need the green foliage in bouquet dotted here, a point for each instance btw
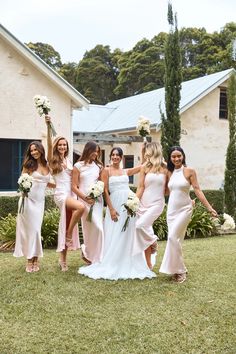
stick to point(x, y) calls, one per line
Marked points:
point(50, 227)
point(7, 232)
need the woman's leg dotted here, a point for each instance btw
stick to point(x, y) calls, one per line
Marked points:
point(77, 211)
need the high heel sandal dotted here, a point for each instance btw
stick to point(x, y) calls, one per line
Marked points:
point(63, 266)
point(29, 267)
point(85, 259)
point(35, 266)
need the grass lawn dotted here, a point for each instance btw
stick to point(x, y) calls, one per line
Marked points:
point(54, 312)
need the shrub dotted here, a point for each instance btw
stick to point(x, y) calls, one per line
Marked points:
point(214, 197)
point(9, 205)
point(50, 227)
point(7, 232)
point(160, 226)
point(201, 224)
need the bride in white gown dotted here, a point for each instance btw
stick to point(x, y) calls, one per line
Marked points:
point(118, 261)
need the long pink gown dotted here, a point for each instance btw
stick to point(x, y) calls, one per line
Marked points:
point(151, 206)
point(28, 224)
point(93, 235)
point(62, 192)
point(179, 212)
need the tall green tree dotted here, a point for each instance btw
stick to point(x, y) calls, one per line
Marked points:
point(230, 169)
point(97, 75)
point(171, 126)
point(47, 53)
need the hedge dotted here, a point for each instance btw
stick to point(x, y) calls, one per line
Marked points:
point(9, 205)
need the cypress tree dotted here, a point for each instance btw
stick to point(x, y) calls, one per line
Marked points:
point(171, 126)
point(230, 169)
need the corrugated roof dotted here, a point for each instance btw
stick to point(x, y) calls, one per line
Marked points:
point(123, 114)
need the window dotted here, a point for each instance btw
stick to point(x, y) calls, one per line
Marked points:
point(12, 159)
point(223, 110)
point(128, 163)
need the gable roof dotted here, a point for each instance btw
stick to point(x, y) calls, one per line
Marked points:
point(122, 115)
point(78, 100)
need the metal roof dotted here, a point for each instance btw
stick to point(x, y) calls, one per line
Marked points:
point(122, 115)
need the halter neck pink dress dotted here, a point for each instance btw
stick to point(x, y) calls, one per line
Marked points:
point(62, 192)
point(179, 212)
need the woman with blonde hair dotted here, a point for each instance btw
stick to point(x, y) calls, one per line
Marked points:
point(71, 209)
point(151, 192)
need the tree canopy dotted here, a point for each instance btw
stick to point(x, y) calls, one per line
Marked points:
point(103, 75)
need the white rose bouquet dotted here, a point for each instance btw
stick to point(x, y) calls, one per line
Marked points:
point(143, 127)
point(131, 207)
point(94, 192)
point(227, 222)
point(25, 182)
point(43, 107)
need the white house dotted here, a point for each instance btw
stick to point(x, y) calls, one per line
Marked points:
point(203, 110)
point(23, 75)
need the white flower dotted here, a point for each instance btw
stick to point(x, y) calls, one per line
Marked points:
point(143, 126)
point(42, 104)
point(229, 223)
point(96, 189)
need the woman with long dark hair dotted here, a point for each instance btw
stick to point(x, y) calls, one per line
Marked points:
point(29, 222)
point(179, 211)
point(70, 208)
point(86, 172)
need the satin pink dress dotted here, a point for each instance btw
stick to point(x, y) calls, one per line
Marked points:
point(151, 206)
point(179, 212)
point(93, 235)
point(28, 223)
point(62, 192)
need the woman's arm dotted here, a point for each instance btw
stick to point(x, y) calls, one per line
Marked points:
point(75, 187)
point(105, 178)
point(49, 138)
point(200, 195)
point(134, 170)
point(141, 185)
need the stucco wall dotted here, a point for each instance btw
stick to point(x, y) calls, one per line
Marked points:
point(19, 82)
point(206, 140)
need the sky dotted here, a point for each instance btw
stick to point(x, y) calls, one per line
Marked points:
point(74, 26)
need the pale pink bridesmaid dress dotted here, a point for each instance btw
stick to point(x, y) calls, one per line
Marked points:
point(151, 206)
point(179, 212)
point(28, 224)
point(93, 236)
point(62, 192)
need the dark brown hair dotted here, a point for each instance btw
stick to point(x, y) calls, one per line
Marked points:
point(29, 162)
point(170, 165)
point(89, 148)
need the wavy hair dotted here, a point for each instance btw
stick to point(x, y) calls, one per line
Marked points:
point(89, 148)
point(153, 156)
point(56, 162)
point(170, 165)
point(29, 162)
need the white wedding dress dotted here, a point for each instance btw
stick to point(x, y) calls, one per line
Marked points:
point(118, 261)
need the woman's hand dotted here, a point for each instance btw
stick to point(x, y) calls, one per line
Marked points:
point(213, 212)
point(47, 119)
point(89, 200)
point(114, 215)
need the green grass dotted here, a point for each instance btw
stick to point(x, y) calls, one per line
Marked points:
point(54, 312)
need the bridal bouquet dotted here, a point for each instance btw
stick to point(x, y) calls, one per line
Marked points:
point(25, 182)
point(131, 207)
point(226, 222)
point(43, 106)
point(94, 192)
point(143, 127)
